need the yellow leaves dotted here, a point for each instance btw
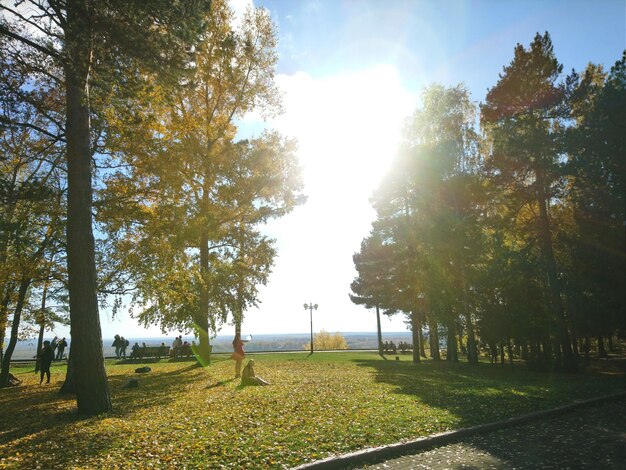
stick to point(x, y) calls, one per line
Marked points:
point(197, 417)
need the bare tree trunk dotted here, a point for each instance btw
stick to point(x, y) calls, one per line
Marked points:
point(461, 346)
point(415, 331)
point(547, 351)
point(601, 350)
point(42, 325)
point(575, 344)
point(556, 303)
point(434, 339)
point(452, 353)
point(4, 317)
point(421, 331)
point(524, 354)
point(92, 389)
point(39, 345)
point(69, 385)
point(380, 333)
point(17, 314)
point(202, 352)
point(472, 352)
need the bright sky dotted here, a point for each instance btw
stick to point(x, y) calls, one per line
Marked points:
point(351, 71)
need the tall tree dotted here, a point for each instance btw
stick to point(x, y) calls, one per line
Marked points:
point(371, 287)
point(202, 195)
point(103, 40)
point(596, 164)
point(31, 191)
point(522, 115)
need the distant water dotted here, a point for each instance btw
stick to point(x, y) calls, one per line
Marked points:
point(267, 342)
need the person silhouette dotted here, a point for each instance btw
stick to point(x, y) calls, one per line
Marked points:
point(61, 345)
point(46, 356)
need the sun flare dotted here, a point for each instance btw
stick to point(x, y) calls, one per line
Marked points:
point(347, 126)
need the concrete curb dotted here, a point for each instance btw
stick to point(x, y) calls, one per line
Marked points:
point(379, 454)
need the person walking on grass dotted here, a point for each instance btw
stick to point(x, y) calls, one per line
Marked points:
point(45, 356)
point(238, 354)
point(123, 345)
point(117, 344)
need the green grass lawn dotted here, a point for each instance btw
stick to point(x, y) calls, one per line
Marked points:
point(316, 406)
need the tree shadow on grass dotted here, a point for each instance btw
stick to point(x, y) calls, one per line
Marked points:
point(39, 418)
point(485, 393)
point(221, 383)
point(488, 393)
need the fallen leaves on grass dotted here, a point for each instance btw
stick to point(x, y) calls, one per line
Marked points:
point(332, 403)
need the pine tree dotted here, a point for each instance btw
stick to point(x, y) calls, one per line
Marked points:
point(522, 115)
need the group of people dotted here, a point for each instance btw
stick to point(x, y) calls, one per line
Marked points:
point(58, 348)
point(390, 347)
point(46, 356)
point(120, 344)
point(182, 348)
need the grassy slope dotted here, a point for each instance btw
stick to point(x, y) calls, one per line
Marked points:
point(327, 403)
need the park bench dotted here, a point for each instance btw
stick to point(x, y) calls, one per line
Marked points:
point(150, 351)
point(185, 351)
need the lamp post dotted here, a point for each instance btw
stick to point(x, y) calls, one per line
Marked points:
point(310, 307)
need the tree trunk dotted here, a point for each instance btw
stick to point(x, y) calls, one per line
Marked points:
point(415, 331)
point(69, 385)
point(4, 317)
point(575, 344)
point(92, 390)
point(434, 339)
point(39, 345)
point(587, 348)
point(17, 314)
point(510, 350)
point(41, 317)
point(601, 350)
point(556, 303)
point(524, 353)
point(502, 354)
point(421, 335)
point(472, 353)
point(609, 339)
point(203, 353)
point(452, 353)
point(547, 351)
point(534, 351)
point(380, 333)
point(558, 352)
point(461, 345)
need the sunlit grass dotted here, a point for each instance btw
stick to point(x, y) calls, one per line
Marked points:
point(316, 406)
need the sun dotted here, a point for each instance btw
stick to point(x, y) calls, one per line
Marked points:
point(348, 126)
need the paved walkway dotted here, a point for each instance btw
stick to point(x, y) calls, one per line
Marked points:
point(586, 438)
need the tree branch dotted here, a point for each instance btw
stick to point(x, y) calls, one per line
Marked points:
point(49, 52)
